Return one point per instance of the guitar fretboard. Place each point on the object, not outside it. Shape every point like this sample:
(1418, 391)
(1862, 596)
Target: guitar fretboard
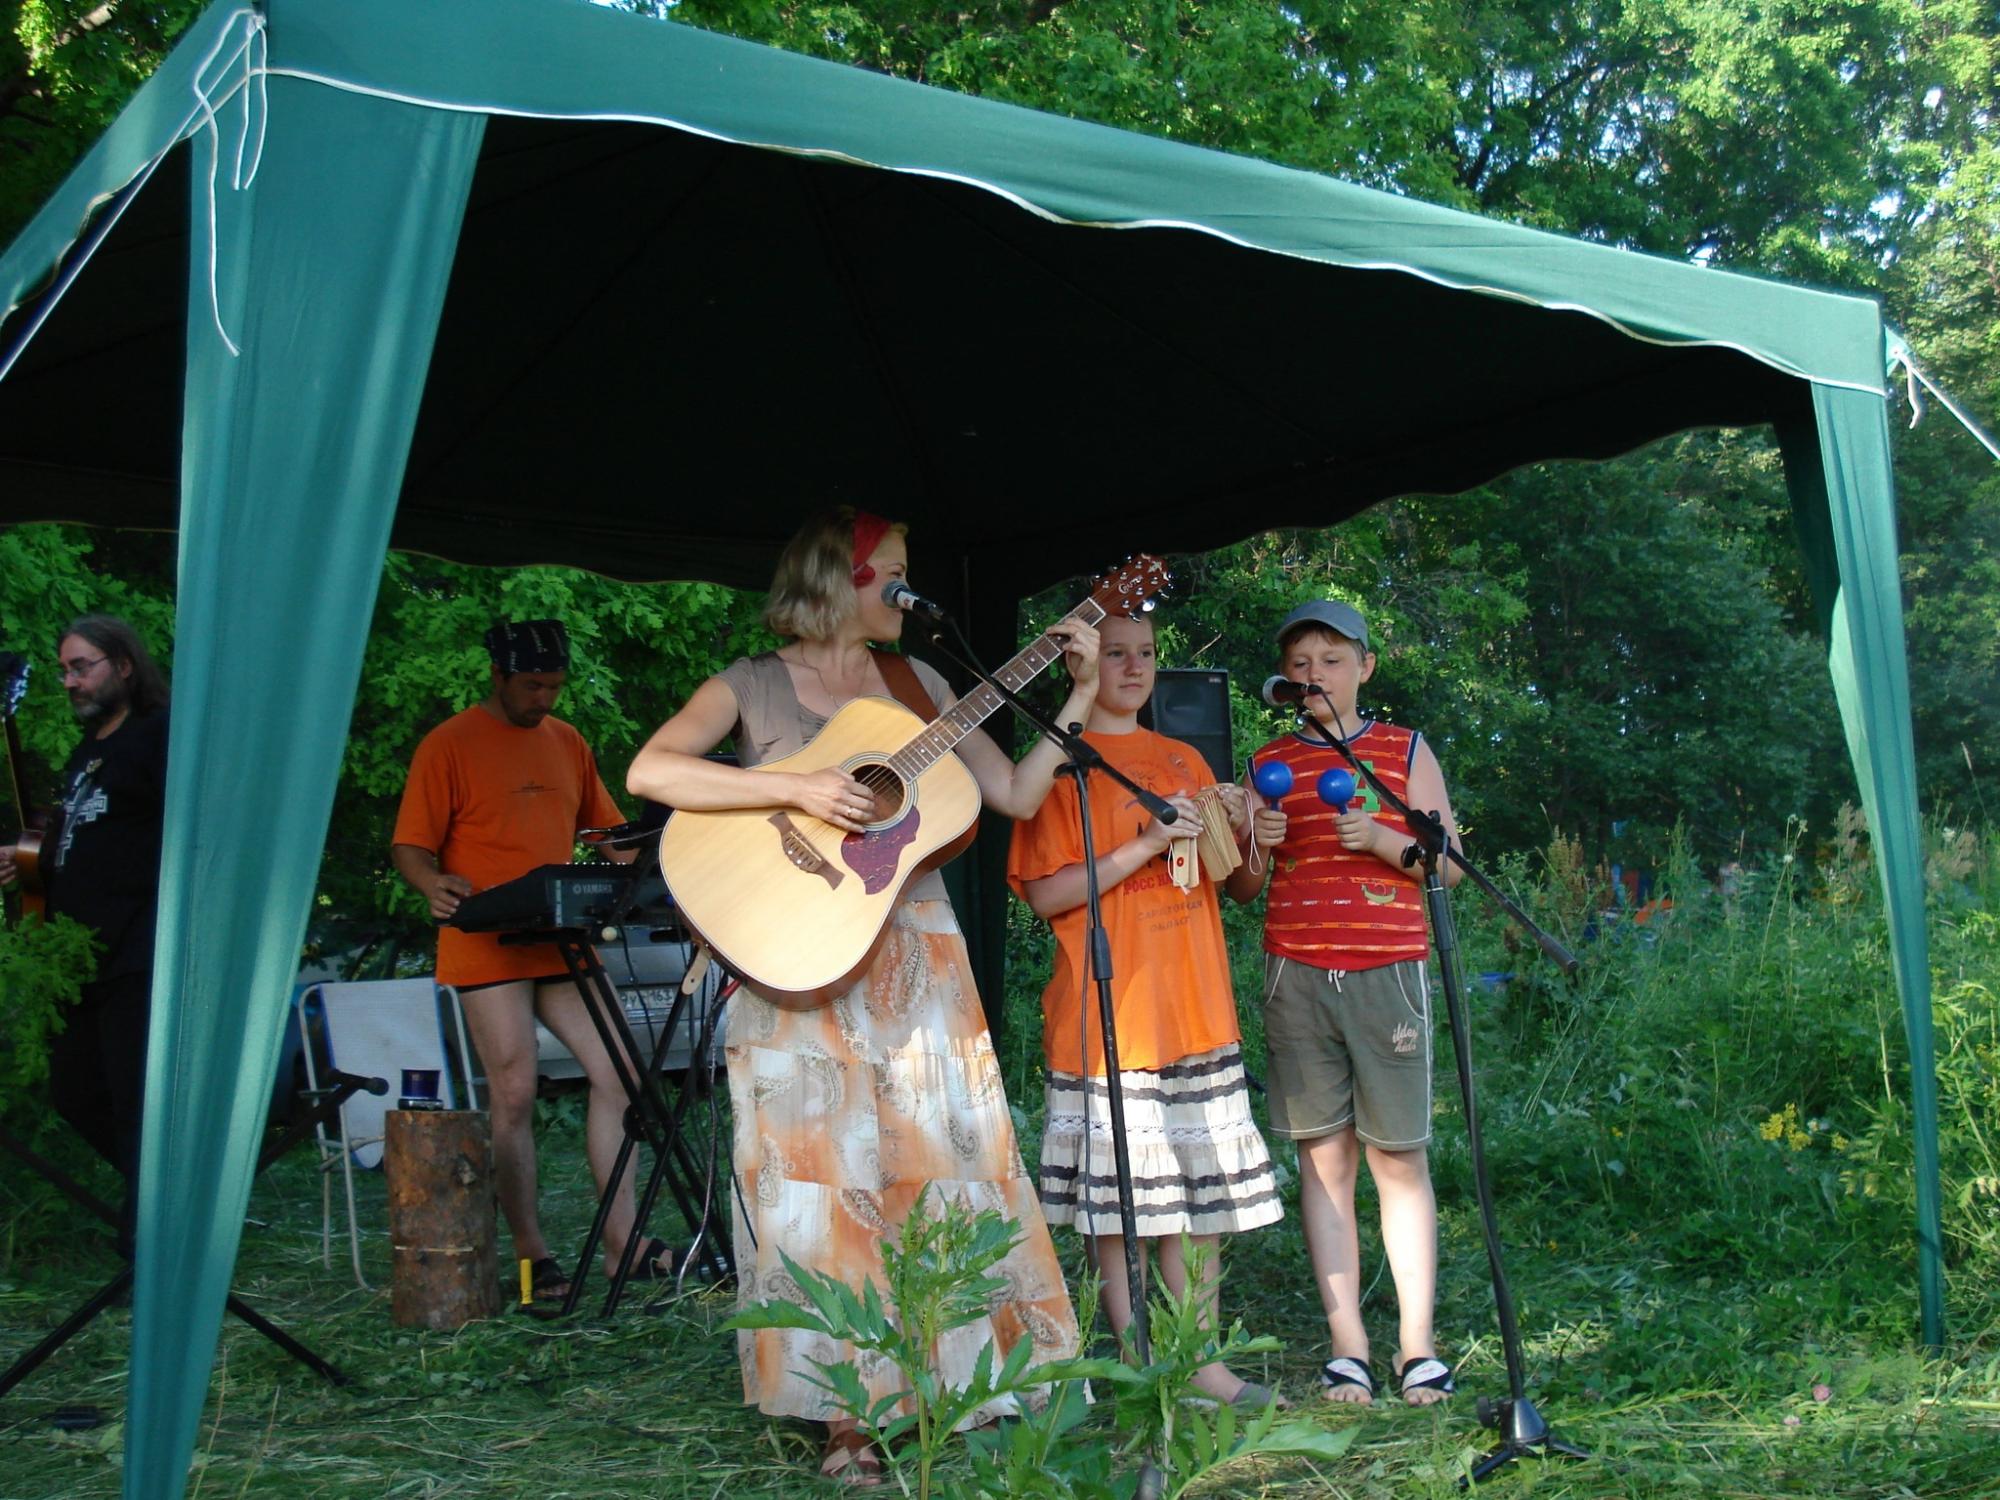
(13, 685)
(937, 739)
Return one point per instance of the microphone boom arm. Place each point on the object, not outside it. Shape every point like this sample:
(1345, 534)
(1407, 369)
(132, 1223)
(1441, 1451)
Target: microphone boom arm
(1431, 843)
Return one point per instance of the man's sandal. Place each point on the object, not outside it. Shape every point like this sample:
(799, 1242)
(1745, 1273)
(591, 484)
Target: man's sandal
(1340, 1372)
(850, 1459)
(547, 1280)
(656, 1261)
(1425, 1373)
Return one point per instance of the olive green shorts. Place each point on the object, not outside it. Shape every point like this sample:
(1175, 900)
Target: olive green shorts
(1349, 1047)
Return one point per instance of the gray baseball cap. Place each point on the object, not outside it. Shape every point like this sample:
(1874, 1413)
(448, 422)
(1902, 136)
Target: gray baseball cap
(1341, 619)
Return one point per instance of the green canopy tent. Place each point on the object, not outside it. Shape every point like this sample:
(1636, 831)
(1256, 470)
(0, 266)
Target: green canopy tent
(527, 280)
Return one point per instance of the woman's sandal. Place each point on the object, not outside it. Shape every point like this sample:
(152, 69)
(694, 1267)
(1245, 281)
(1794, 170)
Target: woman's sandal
(1426, 1372)
(547, 1280)
(850, 1459)
(1341, 1372)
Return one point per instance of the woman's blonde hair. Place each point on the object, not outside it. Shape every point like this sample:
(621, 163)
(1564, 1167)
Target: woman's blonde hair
(812, 588)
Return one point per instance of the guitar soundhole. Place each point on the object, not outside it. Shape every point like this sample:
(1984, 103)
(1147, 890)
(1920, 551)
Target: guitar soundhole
(887, 788)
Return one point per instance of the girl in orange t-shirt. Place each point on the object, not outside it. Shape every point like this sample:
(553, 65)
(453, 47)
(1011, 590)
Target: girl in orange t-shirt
(1199, 1166)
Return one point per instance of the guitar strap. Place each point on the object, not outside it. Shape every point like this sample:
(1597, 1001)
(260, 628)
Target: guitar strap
(908, 689)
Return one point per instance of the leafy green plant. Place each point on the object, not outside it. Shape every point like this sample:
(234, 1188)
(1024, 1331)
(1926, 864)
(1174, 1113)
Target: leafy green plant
(43, 969)
(938, 1275)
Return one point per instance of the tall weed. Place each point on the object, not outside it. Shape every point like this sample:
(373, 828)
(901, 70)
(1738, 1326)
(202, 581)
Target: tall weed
(1725, 1084)
(938, 1277)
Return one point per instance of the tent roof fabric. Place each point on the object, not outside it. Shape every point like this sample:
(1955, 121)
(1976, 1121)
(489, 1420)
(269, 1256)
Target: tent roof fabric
(728, 322)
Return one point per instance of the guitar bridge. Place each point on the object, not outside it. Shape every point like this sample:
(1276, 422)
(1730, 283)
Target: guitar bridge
(799, 850)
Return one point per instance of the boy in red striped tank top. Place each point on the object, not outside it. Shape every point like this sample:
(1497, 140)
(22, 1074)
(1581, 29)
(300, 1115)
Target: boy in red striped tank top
(1347, 1014)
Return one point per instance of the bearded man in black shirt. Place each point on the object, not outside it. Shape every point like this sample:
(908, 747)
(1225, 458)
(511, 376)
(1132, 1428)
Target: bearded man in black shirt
(103, 870)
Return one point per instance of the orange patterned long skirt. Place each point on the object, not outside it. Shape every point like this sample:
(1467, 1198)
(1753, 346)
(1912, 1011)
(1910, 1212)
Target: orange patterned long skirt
(844, 1115)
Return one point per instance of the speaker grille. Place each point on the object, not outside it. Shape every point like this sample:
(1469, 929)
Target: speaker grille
(1192, 704)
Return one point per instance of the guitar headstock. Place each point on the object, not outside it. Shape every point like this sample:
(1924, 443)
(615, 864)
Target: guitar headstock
(1133, 587)
(13, 682)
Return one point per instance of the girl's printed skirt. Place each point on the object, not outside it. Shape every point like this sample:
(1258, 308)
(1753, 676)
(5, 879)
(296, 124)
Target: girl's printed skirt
(1199, 1165)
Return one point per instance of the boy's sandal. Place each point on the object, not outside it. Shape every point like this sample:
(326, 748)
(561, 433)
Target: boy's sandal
(1424, 1373)
(1340, 1372)
(547, 1280)
(850, 1459)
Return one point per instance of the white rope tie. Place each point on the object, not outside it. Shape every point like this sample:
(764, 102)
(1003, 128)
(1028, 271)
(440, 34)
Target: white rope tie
(253, 48)
(1899, 354)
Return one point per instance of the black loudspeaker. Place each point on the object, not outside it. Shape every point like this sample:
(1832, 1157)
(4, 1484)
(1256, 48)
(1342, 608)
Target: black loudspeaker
(1192, 704)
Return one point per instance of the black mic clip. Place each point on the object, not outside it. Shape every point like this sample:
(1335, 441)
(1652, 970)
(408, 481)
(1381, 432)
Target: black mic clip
(899, 595)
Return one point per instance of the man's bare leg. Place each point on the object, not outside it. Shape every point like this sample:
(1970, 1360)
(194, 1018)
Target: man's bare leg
(562, 1011)
(501, 1018)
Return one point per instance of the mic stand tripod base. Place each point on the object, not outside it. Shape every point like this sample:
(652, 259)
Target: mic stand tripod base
(1523, 1435)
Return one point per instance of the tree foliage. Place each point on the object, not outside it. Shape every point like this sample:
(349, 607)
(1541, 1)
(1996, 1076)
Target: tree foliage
(639, 650)
(66, 67)
(1608, 649)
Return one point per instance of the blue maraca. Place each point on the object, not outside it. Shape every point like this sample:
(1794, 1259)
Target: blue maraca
(1272, 779)
(1336, 787)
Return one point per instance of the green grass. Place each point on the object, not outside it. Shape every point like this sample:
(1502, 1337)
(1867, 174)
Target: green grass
(1659, 1381)
(1684, 1280)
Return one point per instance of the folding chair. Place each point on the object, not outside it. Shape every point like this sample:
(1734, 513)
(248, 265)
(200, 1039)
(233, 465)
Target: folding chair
(374, 1028)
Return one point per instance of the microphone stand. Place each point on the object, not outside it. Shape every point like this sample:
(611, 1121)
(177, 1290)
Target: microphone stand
(1523, 1432)
(1083, 759)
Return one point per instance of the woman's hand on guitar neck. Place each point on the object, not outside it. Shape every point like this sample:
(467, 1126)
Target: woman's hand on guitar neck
(832, 796)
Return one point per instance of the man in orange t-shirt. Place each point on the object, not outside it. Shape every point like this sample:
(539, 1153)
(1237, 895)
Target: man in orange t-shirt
(494, 792)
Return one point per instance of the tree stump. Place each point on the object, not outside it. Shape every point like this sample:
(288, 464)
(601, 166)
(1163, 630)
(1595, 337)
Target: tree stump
(439, 1167)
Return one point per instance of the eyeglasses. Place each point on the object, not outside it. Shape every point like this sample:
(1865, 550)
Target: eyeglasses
(79, 669)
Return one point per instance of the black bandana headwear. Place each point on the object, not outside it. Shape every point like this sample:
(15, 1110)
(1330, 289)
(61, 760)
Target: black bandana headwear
(528, 646)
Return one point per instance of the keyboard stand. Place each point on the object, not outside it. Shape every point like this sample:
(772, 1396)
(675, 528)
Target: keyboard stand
(655, 1114)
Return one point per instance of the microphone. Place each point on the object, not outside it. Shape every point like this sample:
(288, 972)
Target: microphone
(1279, 691)
(899, 595)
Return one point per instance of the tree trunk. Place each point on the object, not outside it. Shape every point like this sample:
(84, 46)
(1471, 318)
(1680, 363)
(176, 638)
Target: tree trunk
(439, 1167)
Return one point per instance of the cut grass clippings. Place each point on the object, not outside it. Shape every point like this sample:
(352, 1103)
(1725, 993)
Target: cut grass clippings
(648, 1404)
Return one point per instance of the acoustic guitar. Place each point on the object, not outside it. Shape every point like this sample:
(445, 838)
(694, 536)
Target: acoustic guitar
(798, 906)
(35, 822)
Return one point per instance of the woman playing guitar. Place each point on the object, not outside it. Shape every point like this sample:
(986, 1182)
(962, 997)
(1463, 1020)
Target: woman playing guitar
(847, 1111)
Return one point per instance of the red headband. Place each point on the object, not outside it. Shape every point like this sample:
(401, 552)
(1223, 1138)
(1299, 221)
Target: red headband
(869, 529)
